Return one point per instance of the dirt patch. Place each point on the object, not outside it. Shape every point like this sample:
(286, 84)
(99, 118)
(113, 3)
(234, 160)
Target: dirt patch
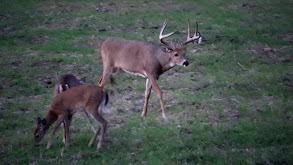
(113, 7)
(244, 6)
(272, 55)
(43, 40)
(166, 5)
(32, 54)
(286, 37)
(4, 17)
(7, 30)
(16, 63)
(47, 81)
(74, 55)
(89, 42)
(263, 104)
(218, 109)
(116, 122)
(34, 98)
(131, 101)
(288, 80)
(70, 68)
(23, 111)
(232, 114)
(44, 63)
(170, 5)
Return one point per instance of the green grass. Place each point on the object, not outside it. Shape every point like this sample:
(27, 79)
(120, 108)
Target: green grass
(231, 105)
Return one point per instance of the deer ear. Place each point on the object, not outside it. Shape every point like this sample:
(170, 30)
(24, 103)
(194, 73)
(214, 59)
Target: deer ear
(165, 49)
(44, 122)
(60, 88)
(39, 120)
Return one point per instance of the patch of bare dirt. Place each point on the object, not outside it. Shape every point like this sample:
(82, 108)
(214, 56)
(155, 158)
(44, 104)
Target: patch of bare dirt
(113, 7)
(170, 5)
(244, 6)
(286, 37)
(6, 30)
(43, 63)
(70, 68)
(288, 80)
(4, 17)
(47, 81)
(33, 99)
(89, 42)
(23, 111)
(43, 40)
(116, 121)
(271, 54)
(231, 114)
(16, 63)
(263, 104)
(229, 108)
(32, 54)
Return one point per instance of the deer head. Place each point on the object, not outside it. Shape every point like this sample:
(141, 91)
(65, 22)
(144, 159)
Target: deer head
(175, 48)
(41, 130)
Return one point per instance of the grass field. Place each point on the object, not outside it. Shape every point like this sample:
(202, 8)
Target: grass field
(232, 105)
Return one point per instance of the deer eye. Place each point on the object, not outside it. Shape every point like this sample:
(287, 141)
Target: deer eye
(176, 55)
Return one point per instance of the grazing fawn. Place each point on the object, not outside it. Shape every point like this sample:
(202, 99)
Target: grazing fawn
(90, 99)
(66, 82)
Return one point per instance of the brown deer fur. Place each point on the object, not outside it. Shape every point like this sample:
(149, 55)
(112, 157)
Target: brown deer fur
(81, 98)
(144, 59)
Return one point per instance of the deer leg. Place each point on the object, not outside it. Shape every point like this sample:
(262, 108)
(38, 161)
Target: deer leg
(103, 127)
(90, 121)
(59, 121)
(67, 122)
(106, 75)
(147, 96)
(64, 138)
(159, 92)
(94, 137)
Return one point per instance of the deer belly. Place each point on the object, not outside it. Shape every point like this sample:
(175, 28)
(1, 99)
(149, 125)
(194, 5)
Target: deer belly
(136, 74)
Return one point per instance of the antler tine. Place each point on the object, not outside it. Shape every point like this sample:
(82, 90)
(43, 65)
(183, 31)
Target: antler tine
(188, 29)
(196, 28)
(195, 36)
(161, 37)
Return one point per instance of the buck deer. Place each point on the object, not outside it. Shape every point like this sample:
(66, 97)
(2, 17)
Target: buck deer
(91, 99)
(145, 59)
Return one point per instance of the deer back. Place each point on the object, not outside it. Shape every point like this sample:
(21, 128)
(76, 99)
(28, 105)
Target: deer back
(78, 98)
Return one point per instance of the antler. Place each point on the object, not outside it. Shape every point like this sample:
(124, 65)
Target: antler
(195, 36)
(161, 37)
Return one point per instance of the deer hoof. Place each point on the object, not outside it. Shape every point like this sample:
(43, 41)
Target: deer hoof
(99, 147)
(164, 116)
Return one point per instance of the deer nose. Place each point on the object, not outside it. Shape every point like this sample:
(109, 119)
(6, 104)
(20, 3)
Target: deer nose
(185, 63)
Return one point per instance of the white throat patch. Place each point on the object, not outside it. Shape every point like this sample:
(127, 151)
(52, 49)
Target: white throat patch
(172, 64)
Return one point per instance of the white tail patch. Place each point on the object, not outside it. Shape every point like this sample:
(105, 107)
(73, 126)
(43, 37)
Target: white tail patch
(60, 89)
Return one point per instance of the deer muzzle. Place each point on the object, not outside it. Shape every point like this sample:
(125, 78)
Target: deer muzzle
(185, 63)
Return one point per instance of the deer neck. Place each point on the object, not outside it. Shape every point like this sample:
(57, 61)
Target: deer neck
(166, 62)
(50, 118)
